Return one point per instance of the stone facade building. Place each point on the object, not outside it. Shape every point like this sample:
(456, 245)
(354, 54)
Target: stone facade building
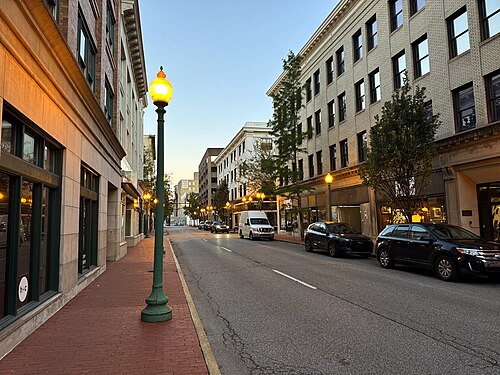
(207, 172)
(351, 66)
(64, 120)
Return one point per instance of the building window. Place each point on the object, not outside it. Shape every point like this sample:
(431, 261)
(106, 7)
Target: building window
(317, 82)
(319, 162)
(374, 78)
(399, 68)
(489, 11)
(110, 26)
(299, 134)
(311, 166)
(309, 127)
(493, 92)
(317, 120)
(89, 214)
(421, 57)
(415, 6)
(108, 105)
(428, 109)
(342, 107)
(333, 157)
(331, 114)
(53, 7)
(340, 61)
(301, 169)
(465, 112)
(308, 90)
(357, 45)
(362, 146)
(371, 32)
(458, 30)
(396, 12)
(359, 88)
(86, 52)
(329, 70)
(344, 154)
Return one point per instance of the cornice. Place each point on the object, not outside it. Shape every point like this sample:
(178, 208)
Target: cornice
(133, 31)
(469, 138)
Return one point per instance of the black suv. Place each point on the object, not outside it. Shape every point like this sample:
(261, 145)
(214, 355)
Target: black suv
(337, 238)
(448, 249)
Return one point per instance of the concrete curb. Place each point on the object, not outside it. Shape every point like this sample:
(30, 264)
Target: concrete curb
(212, 366)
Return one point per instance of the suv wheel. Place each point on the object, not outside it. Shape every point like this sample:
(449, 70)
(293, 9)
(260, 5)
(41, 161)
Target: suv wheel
(385, 259)
(445, 268)
(308, 245)
(332, 250)
(250, 236)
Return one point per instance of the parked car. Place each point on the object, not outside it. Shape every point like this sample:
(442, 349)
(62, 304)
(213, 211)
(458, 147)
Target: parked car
(207, 225)
(255, 224)
(337, 238)
(219, 227)
(448, 249)
(201, 224)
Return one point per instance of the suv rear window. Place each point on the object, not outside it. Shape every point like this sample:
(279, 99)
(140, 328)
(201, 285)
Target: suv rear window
(401, 231)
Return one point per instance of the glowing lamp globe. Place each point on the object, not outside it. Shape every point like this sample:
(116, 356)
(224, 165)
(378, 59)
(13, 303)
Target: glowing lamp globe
(160, 89)
(329, 178)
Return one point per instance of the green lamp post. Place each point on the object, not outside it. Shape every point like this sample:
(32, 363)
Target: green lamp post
(329, 180)
(147, 198)
(157, 309)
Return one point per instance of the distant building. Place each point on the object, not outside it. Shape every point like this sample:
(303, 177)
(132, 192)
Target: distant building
(182, 191)
(240, 149)
(208, 176)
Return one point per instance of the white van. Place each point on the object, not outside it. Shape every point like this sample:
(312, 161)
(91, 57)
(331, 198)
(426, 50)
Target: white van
(254, 224)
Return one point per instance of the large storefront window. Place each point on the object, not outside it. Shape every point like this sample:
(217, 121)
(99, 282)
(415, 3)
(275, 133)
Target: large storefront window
(29, 216)
(489, 210)
(433, 210)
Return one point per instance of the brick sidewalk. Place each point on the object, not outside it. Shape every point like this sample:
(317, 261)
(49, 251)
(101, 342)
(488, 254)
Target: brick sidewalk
(100, 330)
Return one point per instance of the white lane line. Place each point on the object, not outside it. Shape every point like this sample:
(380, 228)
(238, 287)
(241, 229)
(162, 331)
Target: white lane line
(223, 248)
(205, 240)
(294, 279)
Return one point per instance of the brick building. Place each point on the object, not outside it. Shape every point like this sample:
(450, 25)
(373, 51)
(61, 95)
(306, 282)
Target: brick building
(351, 66)
(65, 123)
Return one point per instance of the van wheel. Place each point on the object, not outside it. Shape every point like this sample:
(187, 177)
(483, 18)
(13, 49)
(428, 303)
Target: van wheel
(250, 236)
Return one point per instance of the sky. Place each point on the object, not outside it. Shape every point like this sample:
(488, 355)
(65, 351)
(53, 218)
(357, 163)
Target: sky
(221, 57)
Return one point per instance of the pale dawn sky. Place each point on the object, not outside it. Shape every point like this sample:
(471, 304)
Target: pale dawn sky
(221, 57)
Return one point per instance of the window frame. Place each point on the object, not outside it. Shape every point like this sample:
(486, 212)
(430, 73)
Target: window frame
(342, 106)
(359, 89)
(398, 73)
(372, 33)
(317, 121)
(319, 162)
(417, 59)
(414, 7)
(308, 87)
(375, 91)
(311, 165)
(87, 62)
(493, 114)
(458, 111)
(344, 153)
(317, 82)
(484, 18)
(309, 128)
(357, 46)
(329, 70)
(340, 57)
(395, 23)
(362, 138)
(331, 113)
(333, 157)
(452, 38)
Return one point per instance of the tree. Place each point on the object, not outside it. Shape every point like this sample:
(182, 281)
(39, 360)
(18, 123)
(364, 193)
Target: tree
(259, 171)
(399, 159)
(286, 118)
(193, 206)
(220, 198)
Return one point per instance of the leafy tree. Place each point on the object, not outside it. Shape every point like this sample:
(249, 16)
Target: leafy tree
(259, 171)
(286, 118)
(193, 206)
(399, 159)
(220, 198)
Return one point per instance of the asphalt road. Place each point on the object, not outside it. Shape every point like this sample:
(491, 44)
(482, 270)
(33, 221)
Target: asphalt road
(271, 308)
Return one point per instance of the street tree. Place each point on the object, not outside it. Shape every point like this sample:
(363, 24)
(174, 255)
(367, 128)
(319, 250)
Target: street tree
(259, 171)
(402, 147)
(192, 208)
(288, 135)
(220, 198)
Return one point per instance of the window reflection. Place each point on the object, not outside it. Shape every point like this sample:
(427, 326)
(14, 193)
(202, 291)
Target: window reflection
(24, 240)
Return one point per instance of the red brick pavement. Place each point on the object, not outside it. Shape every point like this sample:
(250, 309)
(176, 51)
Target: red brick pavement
(100, 330)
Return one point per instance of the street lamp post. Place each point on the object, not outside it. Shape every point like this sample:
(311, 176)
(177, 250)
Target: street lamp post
(329, 180)
(157, 309)
(147, 198)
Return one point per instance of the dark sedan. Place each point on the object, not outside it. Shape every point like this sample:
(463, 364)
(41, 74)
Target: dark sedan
(337, 238)
(448, 249)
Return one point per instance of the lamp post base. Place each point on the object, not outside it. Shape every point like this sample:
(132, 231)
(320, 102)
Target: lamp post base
(157, 309)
